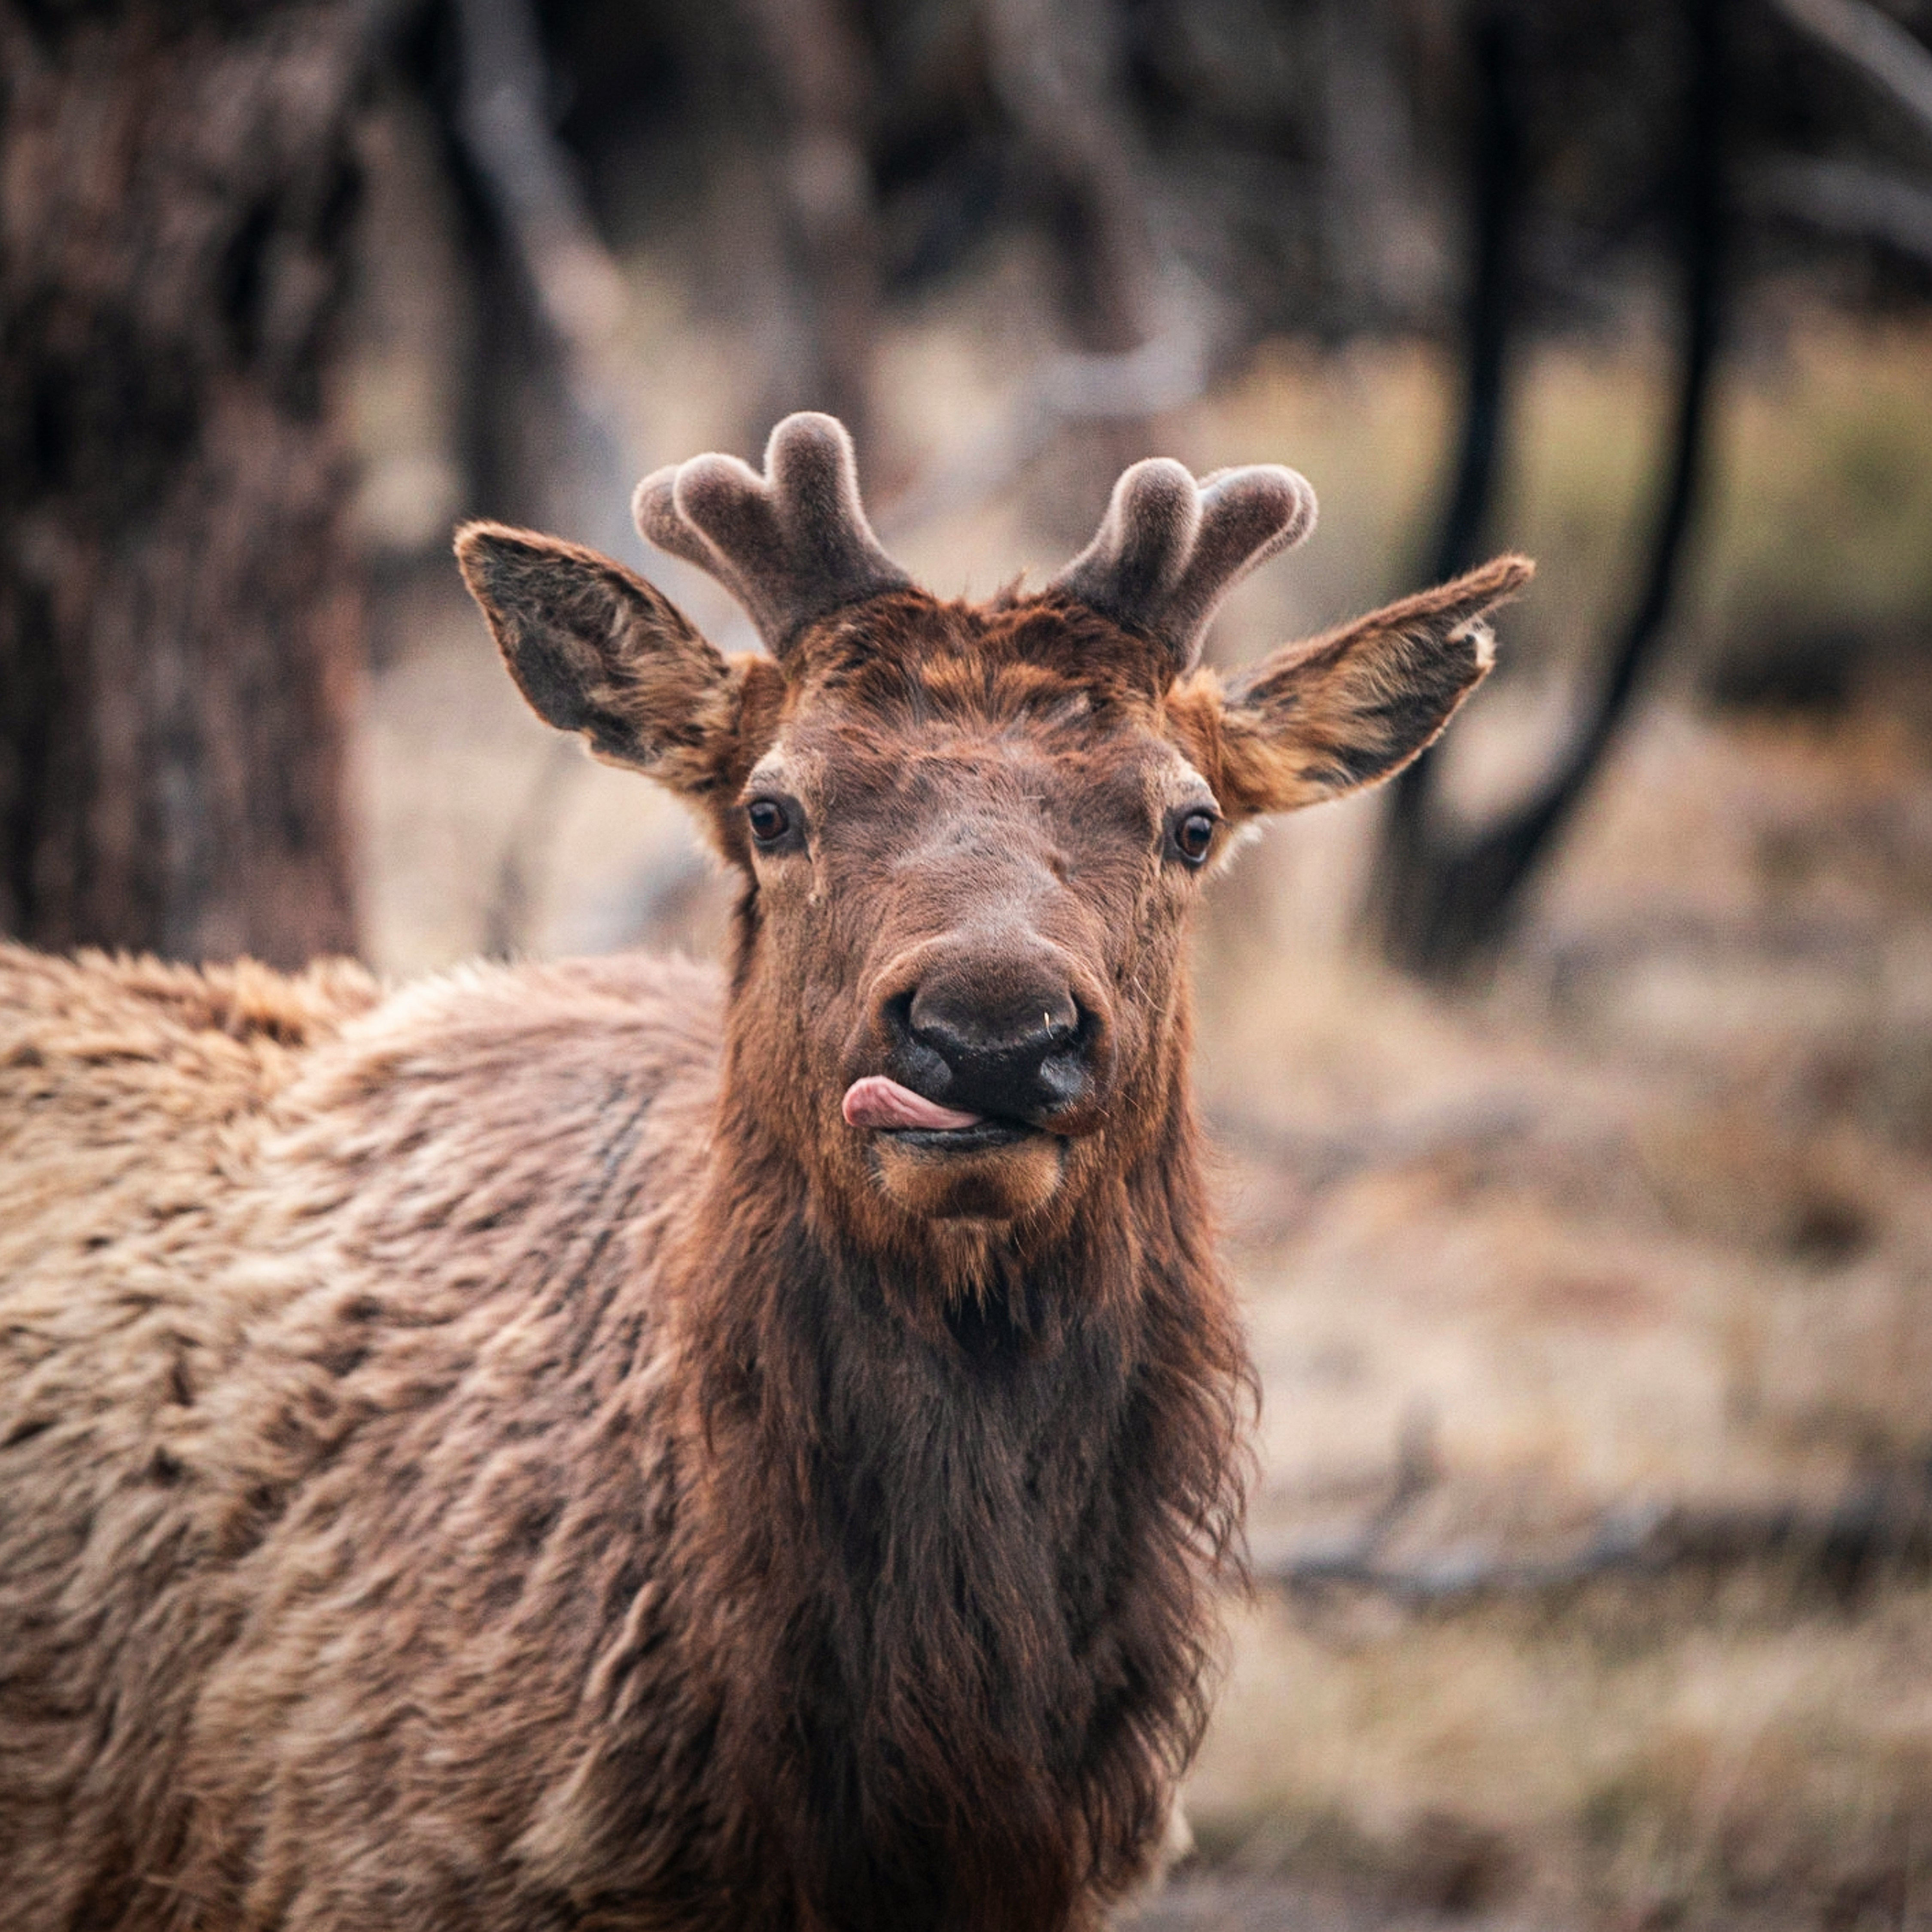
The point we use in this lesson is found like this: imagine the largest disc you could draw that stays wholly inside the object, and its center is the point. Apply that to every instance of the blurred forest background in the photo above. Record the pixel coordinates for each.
(1575, 1092)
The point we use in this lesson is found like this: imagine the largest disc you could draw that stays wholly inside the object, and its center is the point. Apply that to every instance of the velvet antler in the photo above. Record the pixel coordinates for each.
(792, 545)
(1170, 549)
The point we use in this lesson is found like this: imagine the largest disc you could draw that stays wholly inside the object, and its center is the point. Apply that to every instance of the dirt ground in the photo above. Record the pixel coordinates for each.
(1198, 1901)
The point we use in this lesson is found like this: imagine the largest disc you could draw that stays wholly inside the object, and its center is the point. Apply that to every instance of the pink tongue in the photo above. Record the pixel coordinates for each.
(877, 1101)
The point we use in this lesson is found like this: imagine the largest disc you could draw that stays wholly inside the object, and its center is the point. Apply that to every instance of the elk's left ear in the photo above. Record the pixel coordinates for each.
(1317, 720)
(597, 650)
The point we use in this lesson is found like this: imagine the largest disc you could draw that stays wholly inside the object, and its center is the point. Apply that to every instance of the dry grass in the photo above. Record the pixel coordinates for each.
(1695, 1751)
(1650, 1222)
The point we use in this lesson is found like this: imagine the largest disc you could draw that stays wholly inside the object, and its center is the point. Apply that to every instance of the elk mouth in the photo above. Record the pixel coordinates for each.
(943, 1163)
(981, 1138)
(883, 1105)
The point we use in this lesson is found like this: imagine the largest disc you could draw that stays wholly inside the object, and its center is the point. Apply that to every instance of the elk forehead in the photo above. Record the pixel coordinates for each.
(838, 766)
(964, 732)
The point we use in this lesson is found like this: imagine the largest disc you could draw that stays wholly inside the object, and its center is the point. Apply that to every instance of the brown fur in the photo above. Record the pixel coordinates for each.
(502, 1454)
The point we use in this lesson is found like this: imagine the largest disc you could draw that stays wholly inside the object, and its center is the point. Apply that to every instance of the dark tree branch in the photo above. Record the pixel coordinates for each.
(1448, 904)
(1498, 177)
(1054, 67)
(1883, 1524)
(1850, 198)
(1884, 52)
(1052, 64)
(180, 613)
(542, 249)
(820, 65)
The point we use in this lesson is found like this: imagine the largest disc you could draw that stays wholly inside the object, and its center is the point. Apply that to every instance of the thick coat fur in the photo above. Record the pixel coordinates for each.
(506, 1455)
(446, 1493)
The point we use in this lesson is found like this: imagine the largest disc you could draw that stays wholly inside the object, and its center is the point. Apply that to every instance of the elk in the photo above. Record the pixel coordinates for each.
(595, 1444)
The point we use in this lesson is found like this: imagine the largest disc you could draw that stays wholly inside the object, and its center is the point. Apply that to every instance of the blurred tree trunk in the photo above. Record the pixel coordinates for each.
(821, 70)
(1448, 897)
(1413, 862)
(180, 619)
(1055, 67)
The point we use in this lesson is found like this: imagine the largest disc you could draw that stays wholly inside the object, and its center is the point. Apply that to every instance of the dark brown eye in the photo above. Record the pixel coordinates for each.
(769, 820)
(1193, 833)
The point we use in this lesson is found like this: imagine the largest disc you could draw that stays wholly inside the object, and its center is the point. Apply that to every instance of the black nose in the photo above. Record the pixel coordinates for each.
(1014, 1050)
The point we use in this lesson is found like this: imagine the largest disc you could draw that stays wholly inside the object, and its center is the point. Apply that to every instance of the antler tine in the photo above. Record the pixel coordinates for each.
(791, 545)
(1170, 549)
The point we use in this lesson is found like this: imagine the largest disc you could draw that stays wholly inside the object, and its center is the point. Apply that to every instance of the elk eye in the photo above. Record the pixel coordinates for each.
(1193, 833)
(770, 820)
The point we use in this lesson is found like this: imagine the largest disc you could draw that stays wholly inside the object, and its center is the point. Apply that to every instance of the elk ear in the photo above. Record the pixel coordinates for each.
(597, 650)
(1317, 720)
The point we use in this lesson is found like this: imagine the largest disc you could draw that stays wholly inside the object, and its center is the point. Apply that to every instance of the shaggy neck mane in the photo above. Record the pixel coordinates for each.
(966, 1535)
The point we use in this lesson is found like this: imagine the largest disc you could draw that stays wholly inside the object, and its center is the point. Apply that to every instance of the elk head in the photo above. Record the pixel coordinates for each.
(969, 834)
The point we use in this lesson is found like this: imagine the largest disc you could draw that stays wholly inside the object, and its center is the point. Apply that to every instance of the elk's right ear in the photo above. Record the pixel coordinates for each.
(597, 650)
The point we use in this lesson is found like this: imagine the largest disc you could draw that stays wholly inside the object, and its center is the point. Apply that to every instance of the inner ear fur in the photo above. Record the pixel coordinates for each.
(1317, 720)
(595, 649)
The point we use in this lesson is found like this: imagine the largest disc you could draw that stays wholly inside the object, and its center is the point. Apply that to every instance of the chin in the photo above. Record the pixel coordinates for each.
(970, 1175)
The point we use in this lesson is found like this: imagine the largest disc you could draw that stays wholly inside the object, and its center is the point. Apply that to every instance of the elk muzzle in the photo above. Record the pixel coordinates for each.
(1010, 1048)
(989, 1054)
(1000, 1029)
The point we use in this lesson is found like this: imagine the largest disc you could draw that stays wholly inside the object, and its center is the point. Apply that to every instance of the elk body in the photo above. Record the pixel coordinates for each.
(591, 1445)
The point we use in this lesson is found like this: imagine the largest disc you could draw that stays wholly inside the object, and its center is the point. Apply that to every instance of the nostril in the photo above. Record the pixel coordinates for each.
(1056, 1041)
(939, 1037)
(921, 1056)
(897, 1014)
(1059, 1079)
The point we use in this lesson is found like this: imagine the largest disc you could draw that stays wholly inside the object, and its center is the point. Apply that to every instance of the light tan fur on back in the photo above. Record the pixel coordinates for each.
(209, 1183)
(122, 1080)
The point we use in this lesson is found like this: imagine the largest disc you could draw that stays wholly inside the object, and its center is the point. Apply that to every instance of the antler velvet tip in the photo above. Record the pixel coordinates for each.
(792, 545)
(1169, 548)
